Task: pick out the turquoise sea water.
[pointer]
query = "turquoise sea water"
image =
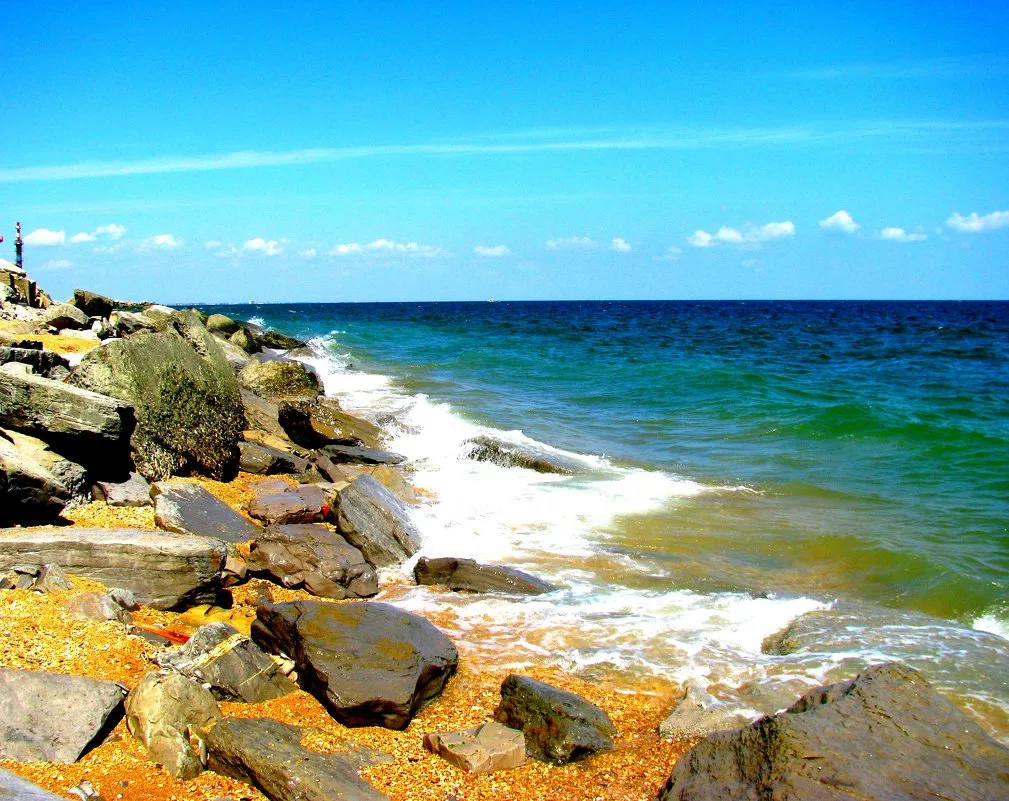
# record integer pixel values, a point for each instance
(744, 463)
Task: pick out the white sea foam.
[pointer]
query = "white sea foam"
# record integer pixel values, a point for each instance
(993, 623)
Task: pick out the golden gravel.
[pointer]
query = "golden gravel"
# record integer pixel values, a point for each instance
(38, 633)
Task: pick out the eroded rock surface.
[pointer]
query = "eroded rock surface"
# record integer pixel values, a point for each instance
(482, 749)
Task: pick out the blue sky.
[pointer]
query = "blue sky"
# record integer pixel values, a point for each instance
(444, 150)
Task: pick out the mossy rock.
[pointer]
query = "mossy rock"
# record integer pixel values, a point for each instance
(281, 379)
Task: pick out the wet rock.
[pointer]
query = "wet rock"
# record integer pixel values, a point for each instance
(369, 664)
(884, 735)
(279, 502)
(278, 341)
(135, 492)
(329, 469)
(375, 521)
(482, 749)
(168, 713)
(313, 557)
(164, 571)
(187, 508)
(268, 754)
(49, 717)
(468, 575)
(92, 304)
(277, 379)
(507, 454)
(36, 484)
(559, 726)
(235, 667)
(98, 606)
(63, 315)
(322, 422)
(392, 479)
(222, 324)
(699, 713)
(14, 788)
(359, 455)
(188, 412)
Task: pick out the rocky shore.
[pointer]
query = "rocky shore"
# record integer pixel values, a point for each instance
(200, 555)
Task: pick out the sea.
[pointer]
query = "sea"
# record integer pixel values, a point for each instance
(764, 496)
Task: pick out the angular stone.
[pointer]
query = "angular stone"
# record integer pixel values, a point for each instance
(98, 606)
(374, 520)
(268, 754)
(41, 361)
(14, 788)
(35, 483)
(255, 459)
(507, 454)
(313, 557)
(277, 379)
(369, 664)
(128, 323)
(166, 711)
(392, 479)
(63, 315)
(164, 571)
(482, 749)
(187, 508)
(322, 422)
(92, 304)
(51, 578)
(287, 504)
(236, 357)
(699, 713)
(184, 394)
(466, 574)
(356, 455)
(884, 735)
(235, 667)
(559, 726)
(261, 413)
(50, 717)
(329, 469)
(135, 492)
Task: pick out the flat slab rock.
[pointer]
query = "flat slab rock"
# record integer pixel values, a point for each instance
(376, 521)
(482, 749)
(470, 576)
(369, 664)
(135, 492)
(349, 454)
(187, 508)
(276, 501)
(268, 754)
(313, 557)
(559, 726)
(164, 571)
(50, 717)
(884, 735)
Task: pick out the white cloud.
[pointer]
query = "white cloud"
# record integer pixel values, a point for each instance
(82, 237)
(620, 245)
(308, 253)
(111, 230)
(975, 224)
(492, 252)
(387, 247)
(840, 222)
(260, 245)
(572, 243)
(161, 242)
(44, 237)
(749, 236)
(212, 244)
(900, 235)
(57, 264)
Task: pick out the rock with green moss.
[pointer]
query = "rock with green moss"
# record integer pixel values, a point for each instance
(279, 379)
(185, 396)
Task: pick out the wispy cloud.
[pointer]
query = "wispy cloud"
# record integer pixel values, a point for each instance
(82, 237)
(894, 234)
(749, 236)
(388, 248)
(160, 242)
(620, 245)
(840, 222)
(572, 243)
(43, 237)
(973, 223)
(953, 67)
(492, 252)
(266, 247)
(57, 264)
(112, 230)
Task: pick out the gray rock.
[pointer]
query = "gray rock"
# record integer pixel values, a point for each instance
(261, 413)
(164, 571)
(369, 664)
(127, 323)
(256, 459)
(184, 394)
(236, 357)
(51, 578)
(466, 574)
(235, 667)
(14, 788)
(287, 504)
(884, 735)
(276, 379)
(63, 315)
(268, 754)
(98, 606)
(278, 341)
(348, 454)
(222, 324)
(134, 492)
(313, 557)
(49, 717)
(127, 599)
(507, 454)
(559, 726)
(167, 712)
(699, 713)
(92, 304)
(190, 509)
(36, 484)
(41, 361)
(313, 424)
(373, 520)
(482, 749)
(329, 469)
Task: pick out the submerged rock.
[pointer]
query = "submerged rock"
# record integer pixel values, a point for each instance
(699, 713)
(507, 454)
(468, 575)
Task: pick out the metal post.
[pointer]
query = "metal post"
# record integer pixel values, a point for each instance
(19, 249)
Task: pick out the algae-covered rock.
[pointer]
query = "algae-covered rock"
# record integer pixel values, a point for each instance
(184, 393)
(276, 379)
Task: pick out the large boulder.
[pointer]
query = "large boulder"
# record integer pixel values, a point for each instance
(278, 379)
(92, 304)
(884, 735)
(354, 454)
(40, 360)
(261, 413)
(559, 726)
(50, 717)
(184, 393)
(222, 324)
(277, 502)
(470, 576)
(278, 341)
(187, 508)
(235, 668)
(36, 484)
(167, 712)
(164, 571)
(313, 557)
(63, 315)
(268, 754)
(372, 519)
(369, 664)
(323, 422)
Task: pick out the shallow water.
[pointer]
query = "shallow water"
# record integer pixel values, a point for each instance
(740, 464)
